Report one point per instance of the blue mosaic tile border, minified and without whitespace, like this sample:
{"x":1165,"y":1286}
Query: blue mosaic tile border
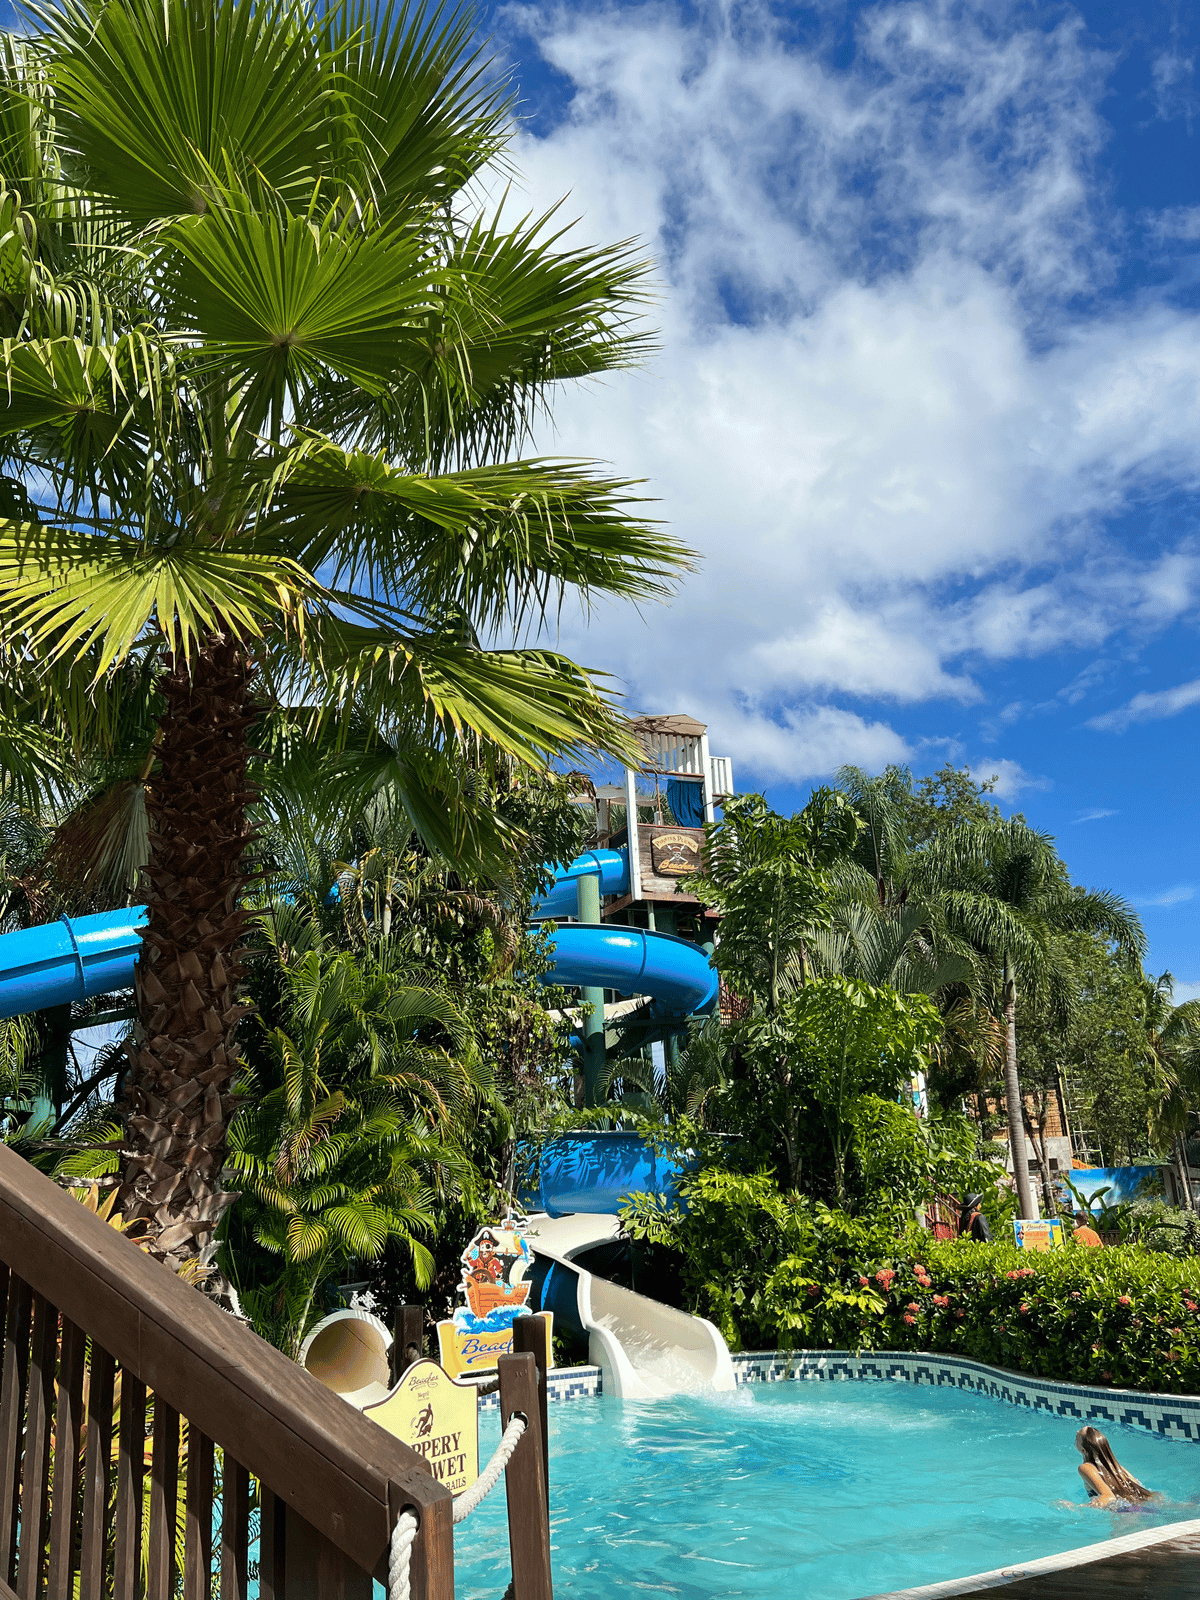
{"x":562,"y":1383}
{"x":1172,"y":1416}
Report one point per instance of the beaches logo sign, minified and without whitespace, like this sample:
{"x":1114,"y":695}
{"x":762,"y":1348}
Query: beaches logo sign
{"x":496,"y":1289}
{"x":438,"y":1418}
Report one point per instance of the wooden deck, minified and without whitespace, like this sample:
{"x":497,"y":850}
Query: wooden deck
{"x":1162,"y":1572}
{"x":1168,"y":1570}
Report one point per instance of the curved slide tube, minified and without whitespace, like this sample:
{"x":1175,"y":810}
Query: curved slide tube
{"x":674,"y":973}
{"x":647,"y":1350}
{"x":562,"y":898}
{"x":78,"y":957}
{"x":71,"y":959}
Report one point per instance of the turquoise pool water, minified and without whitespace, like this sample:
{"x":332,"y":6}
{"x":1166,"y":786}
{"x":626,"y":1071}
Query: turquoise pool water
{"x":826,"y":1491}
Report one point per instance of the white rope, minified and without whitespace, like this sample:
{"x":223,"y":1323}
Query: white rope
{"x":400,"y":1556}
{"x":490,"y":1476}
{"x":405,"y":1531}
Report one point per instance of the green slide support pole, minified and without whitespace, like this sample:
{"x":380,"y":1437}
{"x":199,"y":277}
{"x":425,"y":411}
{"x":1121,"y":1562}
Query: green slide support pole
{"x":593,"y":1025}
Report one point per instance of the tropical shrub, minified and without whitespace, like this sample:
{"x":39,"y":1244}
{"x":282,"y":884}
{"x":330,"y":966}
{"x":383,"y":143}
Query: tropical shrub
{"x":752,"y":1259}
{"x":1164,"y":1228}
{"x":773,"y":1270}
{"x":1122,"y":1316}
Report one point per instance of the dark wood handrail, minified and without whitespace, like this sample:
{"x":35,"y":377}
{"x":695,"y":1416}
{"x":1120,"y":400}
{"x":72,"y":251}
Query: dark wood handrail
{"x":338,"y":1471}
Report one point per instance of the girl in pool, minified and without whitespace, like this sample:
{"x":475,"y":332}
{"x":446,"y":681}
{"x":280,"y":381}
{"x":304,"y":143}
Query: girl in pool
{"x":1106,"y":1480}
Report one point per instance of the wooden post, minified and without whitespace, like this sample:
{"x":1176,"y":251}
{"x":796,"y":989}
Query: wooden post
{"x":533,"y":1334}
{"x":524,"y":1481}
{"x":408,"y":1339}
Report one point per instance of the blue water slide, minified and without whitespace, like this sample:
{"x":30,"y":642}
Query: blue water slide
{"x":562,"y":898}
{"x":78,"y":957}
{"x":594,"y":1170}
{"x":674,"y":973}
{"x":71,"y":959}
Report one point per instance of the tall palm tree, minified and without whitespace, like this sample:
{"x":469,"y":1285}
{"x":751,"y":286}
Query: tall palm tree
{"x":265,"y":376}
{"x":1002,"y":888}
{"x":1172,"y":1044}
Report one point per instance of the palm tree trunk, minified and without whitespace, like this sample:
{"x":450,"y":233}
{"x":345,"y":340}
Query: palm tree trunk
{"x":1182,"y":1172}
{"x":184,"y":1055}
{"x":1035,"y":1136}
{"x":1013,"y":1104}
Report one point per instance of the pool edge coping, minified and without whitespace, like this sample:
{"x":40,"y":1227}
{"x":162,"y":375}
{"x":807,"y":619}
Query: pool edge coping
{"x":1083,"y":1556}
{"x":1171,"y":1416}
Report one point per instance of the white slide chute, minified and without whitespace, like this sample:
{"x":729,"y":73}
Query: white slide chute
{"x":646,"y":1349}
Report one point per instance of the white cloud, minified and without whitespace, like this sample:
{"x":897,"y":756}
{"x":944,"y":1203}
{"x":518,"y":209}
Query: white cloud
{"x":1176,"y":896}
{"x":1094,"y":816}
{"x":1149,"y":706}
{"x":895,"y":449}
{"x":808,"y":744}
{"x":1185,"y":991}
{"x":1008,"y":778}
{"x":1173,"y":74}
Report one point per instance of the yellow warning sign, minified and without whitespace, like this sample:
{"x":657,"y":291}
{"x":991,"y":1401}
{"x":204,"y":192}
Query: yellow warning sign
{"x":438,"y":1418}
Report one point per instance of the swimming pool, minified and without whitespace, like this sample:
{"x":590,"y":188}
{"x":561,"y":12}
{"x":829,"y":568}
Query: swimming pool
{"x":825,"y":1490}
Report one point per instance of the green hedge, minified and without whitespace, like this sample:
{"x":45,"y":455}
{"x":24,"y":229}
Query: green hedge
{"x":777,"y":1269}
{"x":1120,"y":1316}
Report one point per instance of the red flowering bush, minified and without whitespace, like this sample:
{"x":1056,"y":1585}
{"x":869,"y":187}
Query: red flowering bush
{"x":784,"y":1272}
{"x":1124,"y":1316}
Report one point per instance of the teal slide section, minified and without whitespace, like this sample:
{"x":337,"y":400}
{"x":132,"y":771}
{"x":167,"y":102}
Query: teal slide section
{"x":78,"y":957}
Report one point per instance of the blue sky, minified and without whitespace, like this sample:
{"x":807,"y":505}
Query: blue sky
{"x":927,"y":400}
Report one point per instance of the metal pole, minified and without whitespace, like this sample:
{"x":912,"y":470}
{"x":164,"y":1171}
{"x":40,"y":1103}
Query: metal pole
{"x":593,"y":1025}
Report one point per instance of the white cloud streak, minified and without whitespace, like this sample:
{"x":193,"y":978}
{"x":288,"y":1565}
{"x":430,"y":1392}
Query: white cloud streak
{"x":896,"y":449}
{"x":1150,"y":706}
{"x":1176,"y":896}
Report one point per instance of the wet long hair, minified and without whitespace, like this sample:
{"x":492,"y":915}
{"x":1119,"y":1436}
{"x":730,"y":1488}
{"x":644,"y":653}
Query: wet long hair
{"x":1098,"y":1451}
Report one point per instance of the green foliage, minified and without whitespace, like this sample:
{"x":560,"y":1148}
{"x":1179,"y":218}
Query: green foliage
{"x":1162,"y":1228}
{"x":767,"y":875}
{"x":944,"y":799}
{"x":349,"y":1136}
{"x":904,"y":1161}
{"x":1123,"y":1316}
{"x":803,"y":1068}
{"x":776,"y":1271}
{"x":768,"y":1266}
{"x":747,"y":1253}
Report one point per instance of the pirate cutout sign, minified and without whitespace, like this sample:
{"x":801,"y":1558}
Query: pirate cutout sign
{"x":496,"y":1290}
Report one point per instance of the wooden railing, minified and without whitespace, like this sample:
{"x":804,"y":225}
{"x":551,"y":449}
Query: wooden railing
{"x":126,"y":1398}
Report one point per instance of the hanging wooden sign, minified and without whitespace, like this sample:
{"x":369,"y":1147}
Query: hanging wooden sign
{"x":496,"y":1292}
{"x":437,"y":1418}
{"x":674,"y":855}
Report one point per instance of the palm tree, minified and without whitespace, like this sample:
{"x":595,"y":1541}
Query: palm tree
{"x":769,"y":876}
{"x":1172,"y":1044}
{"x":267,"y":371}
{"x":1002,"y":888}
{"x":692,"y":1083}
{"x":351,"y":1132}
